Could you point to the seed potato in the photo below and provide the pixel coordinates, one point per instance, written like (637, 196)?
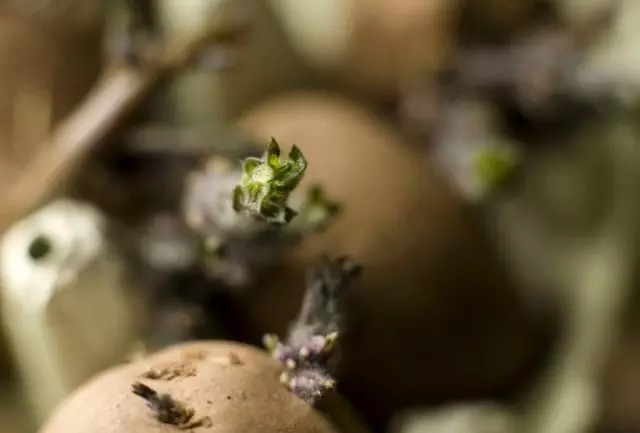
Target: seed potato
(227, 387)
(434, 316)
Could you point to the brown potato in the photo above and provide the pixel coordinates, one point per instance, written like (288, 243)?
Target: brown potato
(230, 387)
(434, 316)
(371, 45)
(48, 62)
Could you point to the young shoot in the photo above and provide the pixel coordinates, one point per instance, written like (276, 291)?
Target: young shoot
(317, 212)
(313, 337)
(267, 183)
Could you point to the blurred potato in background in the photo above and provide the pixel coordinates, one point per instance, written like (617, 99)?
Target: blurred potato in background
(261, 61)
(372, 46)
(435, 316)
(50, 55)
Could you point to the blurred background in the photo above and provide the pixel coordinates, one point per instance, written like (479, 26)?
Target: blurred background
(485, 156)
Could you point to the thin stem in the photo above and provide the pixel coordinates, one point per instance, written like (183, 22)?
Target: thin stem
(311, 343)
(119, 92)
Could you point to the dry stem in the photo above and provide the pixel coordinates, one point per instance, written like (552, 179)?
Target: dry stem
(116, 94)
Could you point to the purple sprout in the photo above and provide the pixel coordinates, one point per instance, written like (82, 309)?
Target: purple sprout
(309, 384)
(313, 337)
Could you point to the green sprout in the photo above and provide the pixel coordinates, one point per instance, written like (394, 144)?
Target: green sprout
(318, 210)
(494, 165)
(267, 183)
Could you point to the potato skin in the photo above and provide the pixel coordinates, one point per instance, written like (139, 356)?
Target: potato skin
(377, 47)
(47, 65)
(236, 386)
(434, 316)
(371, 46)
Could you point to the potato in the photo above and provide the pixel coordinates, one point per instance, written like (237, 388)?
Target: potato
(262, 61)
(48, 62)
(229, 387)
(371, 45)
(434, 316)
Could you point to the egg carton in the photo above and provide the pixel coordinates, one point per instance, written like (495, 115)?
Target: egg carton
(67, 306)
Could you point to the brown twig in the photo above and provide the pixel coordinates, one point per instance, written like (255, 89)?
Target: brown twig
(119, 92)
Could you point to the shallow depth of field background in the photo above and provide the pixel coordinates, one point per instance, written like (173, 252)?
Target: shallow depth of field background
(486, 153)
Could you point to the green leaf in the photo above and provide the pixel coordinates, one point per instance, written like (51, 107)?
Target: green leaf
(249, 164)
(296, 156)
(297, 167)
(494, 165)
(273, 154)
(267, 183)
(289, 214)
(238, 199)
(318, 210)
